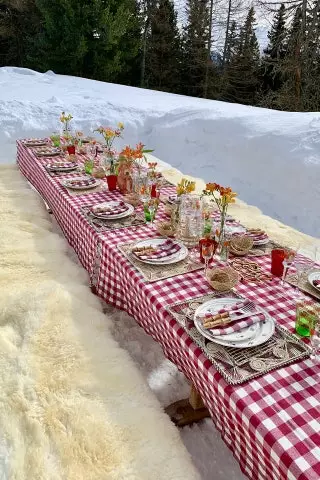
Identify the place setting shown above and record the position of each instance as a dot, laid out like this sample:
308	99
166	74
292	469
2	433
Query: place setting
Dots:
112	215
241	339
35	142
82	185
60	167
159	258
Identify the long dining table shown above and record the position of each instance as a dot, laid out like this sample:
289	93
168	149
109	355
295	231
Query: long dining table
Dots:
270	423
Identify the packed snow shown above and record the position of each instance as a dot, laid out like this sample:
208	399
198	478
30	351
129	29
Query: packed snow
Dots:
271	158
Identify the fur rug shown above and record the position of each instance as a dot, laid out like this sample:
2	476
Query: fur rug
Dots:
72	404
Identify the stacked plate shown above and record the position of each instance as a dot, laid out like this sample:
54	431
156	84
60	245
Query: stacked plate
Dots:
35	142
259	237
159	251
81	183
112	210
61	166
47	152
247	337
314	280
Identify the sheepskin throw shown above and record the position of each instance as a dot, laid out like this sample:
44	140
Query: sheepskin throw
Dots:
72	404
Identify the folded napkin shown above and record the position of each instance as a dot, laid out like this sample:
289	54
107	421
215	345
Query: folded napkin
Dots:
81	182
54	165
316	283
109	210
161	251
257	235
236	326
34	141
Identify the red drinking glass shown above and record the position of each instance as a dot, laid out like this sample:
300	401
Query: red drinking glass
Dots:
277	257
71	149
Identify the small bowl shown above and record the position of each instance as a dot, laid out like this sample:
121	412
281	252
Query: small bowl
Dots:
222	279
165	229
241	245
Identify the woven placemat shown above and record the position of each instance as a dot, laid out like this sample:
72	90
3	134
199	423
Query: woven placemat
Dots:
153	273
240	365
76	193
304	285
134	220
76	172
261	250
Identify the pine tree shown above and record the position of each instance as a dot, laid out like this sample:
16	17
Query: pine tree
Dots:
19	22
163	60
274	54
231	44
243	69
195	47
85	37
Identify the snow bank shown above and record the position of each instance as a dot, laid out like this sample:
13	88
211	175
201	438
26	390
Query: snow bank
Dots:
271	158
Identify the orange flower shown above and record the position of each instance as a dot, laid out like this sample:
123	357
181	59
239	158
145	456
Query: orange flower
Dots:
212	187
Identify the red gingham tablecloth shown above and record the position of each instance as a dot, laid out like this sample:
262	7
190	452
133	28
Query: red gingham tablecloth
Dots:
271	424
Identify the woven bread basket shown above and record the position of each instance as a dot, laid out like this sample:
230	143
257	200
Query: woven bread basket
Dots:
169	208
165	229
240	245
222	279
133	199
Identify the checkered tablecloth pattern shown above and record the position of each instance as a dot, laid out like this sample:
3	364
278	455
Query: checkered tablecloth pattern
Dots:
271	424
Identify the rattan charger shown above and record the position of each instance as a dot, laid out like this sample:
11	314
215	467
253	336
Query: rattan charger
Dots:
241	245
222	279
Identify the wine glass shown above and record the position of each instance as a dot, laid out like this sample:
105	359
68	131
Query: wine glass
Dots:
303	262
207	253
315	341
287	262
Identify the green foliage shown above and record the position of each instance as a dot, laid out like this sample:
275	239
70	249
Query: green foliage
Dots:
90	38
19	22
242	70
195	50
163	65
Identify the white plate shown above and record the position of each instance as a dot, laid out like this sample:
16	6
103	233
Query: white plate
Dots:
128	212
314	276
85	187
173	258
60	169
261	242
246	338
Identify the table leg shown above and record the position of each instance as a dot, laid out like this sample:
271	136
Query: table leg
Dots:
187	411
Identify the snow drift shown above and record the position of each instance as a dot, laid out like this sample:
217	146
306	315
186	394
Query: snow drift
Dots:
272	159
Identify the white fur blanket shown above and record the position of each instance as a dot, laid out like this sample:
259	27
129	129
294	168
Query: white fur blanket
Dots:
72	404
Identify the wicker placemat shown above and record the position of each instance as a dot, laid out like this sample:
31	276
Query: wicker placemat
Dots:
134	220
153	273
75	193
76	172
261	250
304	285
240	365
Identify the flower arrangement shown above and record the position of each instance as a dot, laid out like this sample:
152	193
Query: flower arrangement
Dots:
110	134
134	156
185	186
223	197
65	119
152	169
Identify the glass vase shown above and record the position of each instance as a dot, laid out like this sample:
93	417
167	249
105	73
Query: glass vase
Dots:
223	244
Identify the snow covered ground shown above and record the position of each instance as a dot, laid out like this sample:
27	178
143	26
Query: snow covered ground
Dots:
272	159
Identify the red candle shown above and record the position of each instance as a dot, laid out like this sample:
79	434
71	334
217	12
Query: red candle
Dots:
277	257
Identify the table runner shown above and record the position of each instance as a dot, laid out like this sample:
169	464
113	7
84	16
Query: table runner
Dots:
271	424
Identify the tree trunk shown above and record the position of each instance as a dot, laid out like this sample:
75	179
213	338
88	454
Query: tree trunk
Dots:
206	82
227	34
